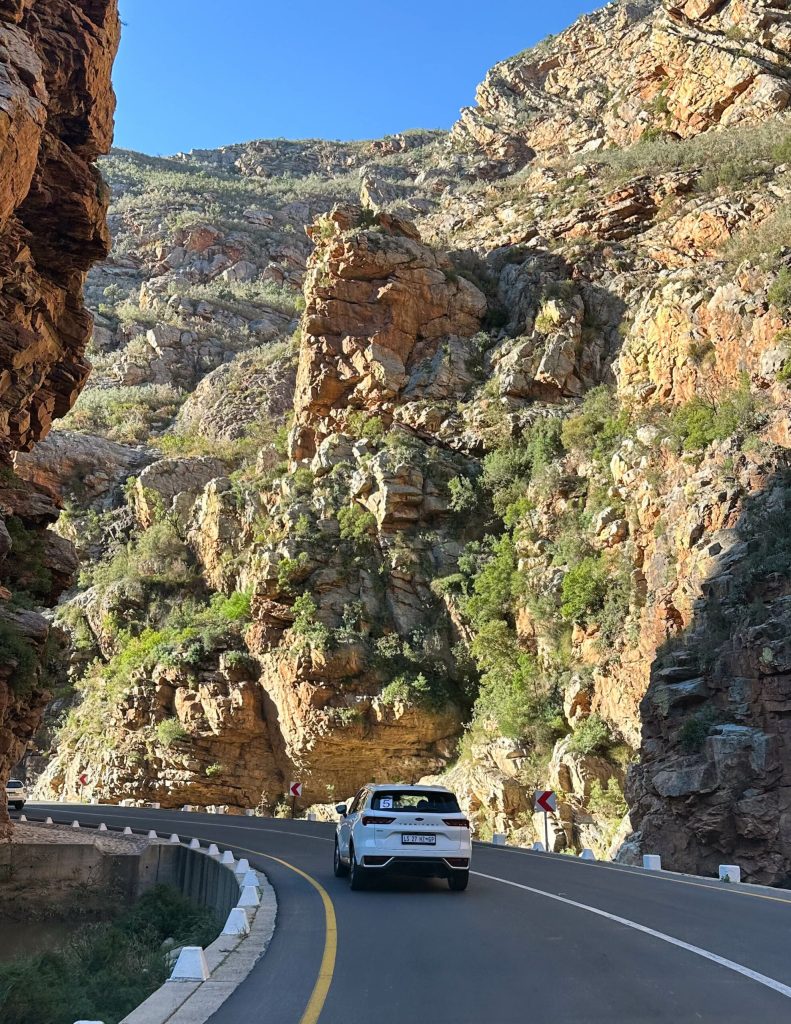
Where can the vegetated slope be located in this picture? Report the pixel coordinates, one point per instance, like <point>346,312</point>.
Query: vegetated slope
<point>526,525</point>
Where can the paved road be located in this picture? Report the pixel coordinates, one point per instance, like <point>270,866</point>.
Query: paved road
<point>536,938</point>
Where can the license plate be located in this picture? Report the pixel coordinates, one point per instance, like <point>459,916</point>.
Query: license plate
<point>417,839</point>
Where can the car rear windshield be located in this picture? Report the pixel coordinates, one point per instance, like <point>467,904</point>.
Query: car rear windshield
<point>408,800</point>
<point>13,784</point>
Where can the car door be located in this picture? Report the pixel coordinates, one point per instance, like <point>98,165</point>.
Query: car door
<point>345,825</point>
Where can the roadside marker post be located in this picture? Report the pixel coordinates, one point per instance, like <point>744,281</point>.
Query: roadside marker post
<point>295,790</point>
<point>546,801</point>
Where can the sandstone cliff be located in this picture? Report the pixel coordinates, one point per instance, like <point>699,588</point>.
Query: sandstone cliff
<point>57,116</point>
<point>524,525</point>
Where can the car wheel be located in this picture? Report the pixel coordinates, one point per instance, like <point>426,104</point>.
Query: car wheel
<point>459,881</point>
<point>341,870</point>
<point>18,806</point>
<point>357,873</point>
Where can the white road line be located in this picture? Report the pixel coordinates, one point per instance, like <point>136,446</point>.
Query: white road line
<point>762,979</point>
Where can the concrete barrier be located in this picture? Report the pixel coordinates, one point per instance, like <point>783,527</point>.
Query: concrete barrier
<point>152,834</point>
<point>249,812</point>
<point>191,965</point>
<point>250,878</point>
<point>242,867</point>
<point>227,857</point>
<point>48,821</point>
<point>730,873</point>
<point>587,855</point>
<point>194,844</point>
<point>174,838</point>
<point>652,862</point>
<point>127,831</point>
<point>75,824</point>
<point>22,817</point>
<point>238,923</point>
<point>498,838</point>
<point>249,897</point>
<point>102,827</point>
<point>213,851</point>
<point>537,848</point>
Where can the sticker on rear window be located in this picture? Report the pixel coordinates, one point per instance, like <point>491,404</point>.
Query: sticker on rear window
<point>386,803</point>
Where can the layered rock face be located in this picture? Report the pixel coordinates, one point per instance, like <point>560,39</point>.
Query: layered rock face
<point>56,118</point>
<point>632,68</point>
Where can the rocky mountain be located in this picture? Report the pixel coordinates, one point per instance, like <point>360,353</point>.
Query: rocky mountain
<point>454,455</point>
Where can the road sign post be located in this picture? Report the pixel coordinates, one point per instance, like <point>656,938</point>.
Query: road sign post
<point>83,781</point>
<point>295,790</point>
<point>546,801</point>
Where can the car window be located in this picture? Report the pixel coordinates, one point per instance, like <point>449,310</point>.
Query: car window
<point>429,801</point>
<point>13,784</point>
<point>356,802</point>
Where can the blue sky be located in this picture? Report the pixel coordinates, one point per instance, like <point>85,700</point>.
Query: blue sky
<point>196,74</point>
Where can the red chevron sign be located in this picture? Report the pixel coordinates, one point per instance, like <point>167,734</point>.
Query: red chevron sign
<point>295,789</point>
<point>546,801</point>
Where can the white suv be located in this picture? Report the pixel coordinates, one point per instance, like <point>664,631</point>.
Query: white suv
<point>15,793</point>
<point>414,830</point>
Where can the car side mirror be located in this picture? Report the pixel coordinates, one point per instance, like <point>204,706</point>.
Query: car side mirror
<point>341,809</point>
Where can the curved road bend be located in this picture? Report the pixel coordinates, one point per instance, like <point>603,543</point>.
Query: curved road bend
<point>536,938</point>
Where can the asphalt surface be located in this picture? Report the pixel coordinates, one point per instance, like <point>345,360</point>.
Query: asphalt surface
<point>534,938</point>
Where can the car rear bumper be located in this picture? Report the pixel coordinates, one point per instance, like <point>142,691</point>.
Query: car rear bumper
<point>422,867</point>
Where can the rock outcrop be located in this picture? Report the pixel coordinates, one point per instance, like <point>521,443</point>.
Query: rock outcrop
<point>632,68</point>
<point>56,117</point>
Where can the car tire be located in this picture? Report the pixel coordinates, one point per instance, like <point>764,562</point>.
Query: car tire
<point>18,806</point>
<point>358,876</point>
<point>340,869</point>
<point>458,881</point>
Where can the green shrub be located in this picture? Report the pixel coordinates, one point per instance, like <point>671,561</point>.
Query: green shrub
<point>170,731</point>
<point>306,626</point>
<point>213,770</point>
<point>363,425</point>
<point>105,970</point>
<point>584,589</point>
<point>599,426</point>
<point>414,690</point>
<point>607,803</point>
<point>356,523</point>
<point>591,736</point>
<point>125,414</point>
<point>697,424</point>
<point>780,292</point>
<point>235,608</point>
<point>17,652</point>
<point>464,495</point>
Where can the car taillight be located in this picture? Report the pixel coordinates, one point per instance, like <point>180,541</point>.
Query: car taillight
<point>368,819</point>
<point>459,822</point>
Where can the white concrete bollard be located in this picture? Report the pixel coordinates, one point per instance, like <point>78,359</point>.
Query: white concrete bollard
<point>652,862</point>
<point>537,847</point>
<point>251,878</point>
<point>237,923</point>
<point>174,838</point>
<point>242,867</point>
<point>249,812</point>
<point>152,834</point>
<point>75,824</point>
<point>48,821</point>
<point>194,844</point>
<point>587,854</point>
<point>249,897</point>
<point>22,817</point>
<point>730,873</point>
<point>102,827</point>
<point>127,831</point>
<point>94,799</point>
<point>311,816</point>
<point>498,839</point>
<point>227,857</point>
<point>191,965</point>
<point>213,851</point>
<point>155,806</point>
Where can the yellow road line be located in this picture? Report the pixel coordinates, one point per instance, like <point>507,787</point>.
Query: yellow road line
<point>327,966</point>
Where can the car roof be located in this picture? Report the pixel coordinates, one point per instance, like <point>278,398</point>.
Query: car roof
<point>17,781</point>
<point>374,786</point>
